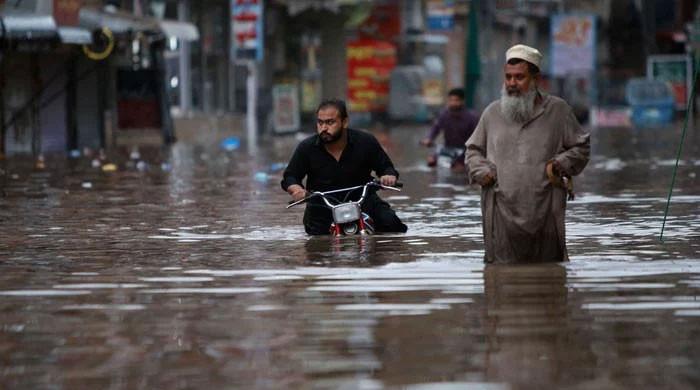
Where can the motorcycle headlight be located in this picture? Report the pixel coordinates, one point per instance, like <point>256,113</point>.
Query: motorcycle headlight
<point>345,213</point>
<point>350,228</point>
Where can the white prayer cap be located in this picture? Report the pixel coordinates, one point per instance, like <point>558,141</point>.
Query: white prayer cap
<point>526,53</point>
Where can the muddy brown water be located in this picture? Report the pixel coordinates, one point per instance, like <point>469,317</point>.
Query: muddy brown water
<point>192,274</point>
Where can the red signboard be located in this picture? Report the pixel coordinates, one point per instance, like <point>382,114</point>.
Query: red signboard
<point>383,23</point>
<point>66,12</point>
<point>370,63</point>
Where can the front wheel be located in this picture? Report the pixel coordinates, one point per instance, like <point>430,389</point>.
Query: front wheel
<point>350,228</point>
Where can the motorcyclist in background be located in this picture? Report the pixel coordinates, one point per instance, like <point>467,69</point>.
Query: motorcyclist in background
<point>457,123</point>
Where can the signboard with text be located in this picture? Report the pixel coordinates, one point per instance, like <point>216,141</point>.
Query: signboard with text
<point>246,30</point>
<point>285,108</point>
<point>440,15</point>
<point>66,12</point>
<point>370,63</point>
<point>573,44</point>
<point>676,70</point>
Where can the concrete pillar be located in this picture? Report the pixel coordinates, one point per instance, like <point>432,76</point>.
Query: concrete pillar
<point>412,15</point>
<point>332,53</point>
<point>2,105</point>
<point>183,14</point>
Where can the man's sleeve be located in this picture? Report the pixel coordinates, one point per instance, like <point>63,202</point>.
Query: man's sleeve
<point>382,163</point>
<point>435,130</point>
<point>577,146</point>
<point>479,165</point>
<point>296,169</point>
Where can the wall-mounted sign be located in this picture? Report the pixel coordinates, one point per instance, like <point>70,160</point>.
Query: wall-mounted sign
<point>440,15</point>
<point>66,12</point>
<point>573,44</point>
<point>370,63</point>
<point>676,70</point>
<point>285,105</point>
<point>247,29</point>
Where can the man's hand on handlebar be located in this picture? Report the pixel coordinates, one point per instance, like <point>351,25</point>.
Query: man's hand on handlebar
<point>297,192</point>
<point>388,180</point>
<point>426,142</point>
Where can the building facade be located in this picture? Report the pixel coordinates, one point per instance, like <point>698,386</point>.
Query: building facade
<point>101,73</point>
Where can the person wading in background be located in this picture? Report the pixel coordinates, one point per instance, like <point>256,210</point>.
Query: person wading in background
<point>456,123</point>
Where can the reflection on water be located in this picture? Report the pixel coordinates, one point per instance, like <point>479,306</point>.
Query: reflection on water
<point>198,277</point>
<point>532,337</point>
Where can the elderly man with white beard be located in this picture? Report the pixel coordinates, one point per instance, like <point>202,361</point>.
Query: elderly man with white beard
<point>523,153</point>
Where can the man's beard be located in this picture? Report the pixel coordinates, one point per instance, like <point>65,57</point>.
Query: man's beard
<point>518,108</point>
<point>328,138</point>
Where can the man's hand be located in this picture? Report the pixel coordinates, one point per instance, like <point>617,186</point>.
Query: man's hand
<point>426,142</point>
<point>487,180</point>
<point>556,168</point>
<point>388,180</point>
<point>297,192</point>
<point>555,173</point>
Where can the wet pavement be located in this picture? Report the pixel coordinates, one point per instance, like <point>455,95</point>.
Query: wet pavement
<point>186,271</point>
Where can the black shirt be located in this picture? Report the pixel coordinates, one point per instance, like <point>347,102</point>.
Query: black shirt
<point>361,156</point>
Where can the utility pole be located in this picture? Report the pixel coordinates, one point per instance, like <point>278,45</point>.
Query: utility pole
<point>251,107</point>
<point>247,47</point>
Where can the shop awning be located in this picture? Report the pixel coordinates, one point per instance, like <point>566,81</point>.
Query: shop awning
<point>29,27</point>
<point>298,6</point>
<point>295,7</point>
<point>180,30</point>
<point>75,35</point>
<point>121,22</point>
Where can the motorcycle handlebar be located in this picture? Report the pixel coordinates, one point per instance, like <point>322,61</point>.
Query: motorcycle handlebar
<point>376,182</point>
<point>296,202</point>
<point>398,184</point>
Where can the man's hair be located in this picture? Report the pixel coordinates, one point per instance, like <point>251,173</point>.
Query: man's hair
<point>532,68</point>
<point>338,104</point>
<point>459,92</point>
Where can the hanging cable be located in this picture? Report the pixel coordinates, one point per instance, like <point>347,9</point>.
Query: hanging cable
<point>688,112</point>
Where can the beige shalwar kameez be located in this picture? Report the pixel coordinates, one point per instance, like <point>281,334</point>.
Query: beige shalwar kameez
<point>523,213</point>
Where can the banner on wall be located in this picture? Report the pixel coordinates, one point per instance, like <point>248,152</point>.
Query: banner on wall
<point>674,69</point>
<point>66,12</point>
<point>573,44</point>
<point>383,23</point>
<point>285,108</point>
<point>440,15</point>
<point>246,30</point>
<point>370,63</point>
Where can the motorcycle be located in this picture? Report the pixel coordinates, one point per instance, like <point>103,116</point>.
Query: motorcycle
<point>348,217</point>
<point>450,157</point>
<point>445,156</point>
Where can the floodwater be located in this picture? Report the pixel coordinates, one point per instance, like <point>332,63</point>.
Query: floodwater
<point>192,274</point>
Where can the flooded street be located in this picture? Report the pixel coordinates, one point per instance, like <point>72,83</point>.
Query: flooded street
<point>189,273</point>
